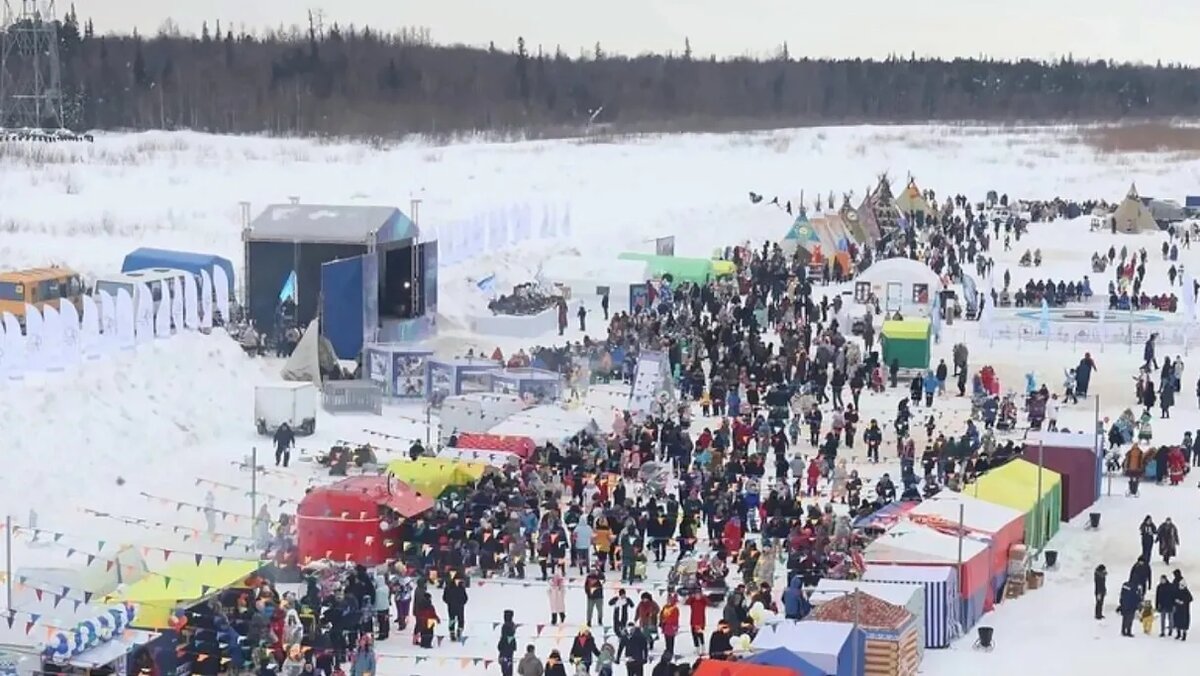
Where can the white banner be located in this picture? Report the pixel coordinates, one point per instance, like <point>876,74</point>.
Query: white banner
<point>221,291</point>
<point>72,339</point>
<point>14,346</point>
<point>191,303</point>
<point>126,336</point>
<point>162,315</point>
<point>206,300</point>
<point>34,358</point>
<point>176,302</point>
<point>108,322</point>
<point>143,312</point>
<point>52,338</point>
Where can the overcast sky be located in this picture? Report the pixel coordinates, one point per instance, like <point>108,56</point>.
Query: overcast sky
<point>1148,30</point>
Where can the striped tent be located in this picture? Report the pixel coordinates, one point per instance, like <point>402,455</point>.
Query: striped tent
<point>942,607</point>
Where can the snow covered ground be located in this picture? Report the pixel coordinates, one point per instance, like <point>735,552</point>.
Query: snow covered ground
<point>181,410</point>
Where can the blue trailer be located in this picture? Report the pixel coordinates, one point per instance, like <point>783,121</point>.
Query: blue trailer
<point>145,257</point>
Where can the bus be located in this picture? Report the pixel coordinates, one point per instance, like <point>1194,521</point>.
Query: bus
<point>38,287</point>
<point>158,280</point>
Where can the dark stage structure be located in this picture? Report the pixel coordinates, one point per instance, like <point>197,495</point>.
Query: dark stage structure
<point>361,269</point>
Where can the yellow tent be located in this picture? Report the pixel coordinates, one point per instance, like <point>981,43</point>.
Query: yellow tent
<point>722,268</point>
<point>159,594</point>
<point>432,476</point>
<point>1015,485</point>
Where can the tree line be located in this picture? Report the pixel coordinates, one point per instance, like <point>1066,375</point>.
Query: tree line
<point>357,81</point>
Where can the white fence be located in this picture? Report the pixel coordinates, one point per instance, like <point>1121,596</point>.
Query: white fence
<point>1116,334</point>
<point>501,228</point>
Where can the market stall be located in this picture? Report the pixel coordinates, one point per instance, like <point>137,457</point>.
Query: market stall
<point>892,642</point>
<point>181,586</point>
<point>835,647</point>
<point>939,586</point>
<point>1015,485</point>
<point>1001,527</point>
<point>910,596</point>
<point>348,520</point>
<point>1078,459</point>
<point>907,342</point>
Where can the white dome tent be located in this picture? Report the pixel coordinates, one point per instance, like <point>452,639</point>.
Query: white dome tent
<point>901,284</point>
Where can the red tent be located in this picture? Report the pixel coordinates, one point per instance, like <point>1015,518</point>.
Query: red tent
<point>343,521</point>
<point>731,668</point>
<point>520,446</point>
<point>1075,457</point>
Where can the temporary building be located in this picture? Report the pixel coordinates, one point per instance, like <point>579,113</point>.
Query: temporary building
<point>1001,527</point>
<point>145,258</point>
<point>1015,484</point>
<point>836,647</point>
<point>1079,461</point>
<point>1133,216</point>
<point>907,341</point>
<point>903,285</point>
<point>476,412</point>
<point>854,224</point>
<point>910,596</point>
<point>345,521</point>
<point>885,517</point>
<point>801,235</point>
<point>589,276</point>
<point>782,659</point>
<point>431,477</point>
<point>916,545</point>
<point>912,202</point>
<point>545,424</point>
<point>939,585</point>
<point>891,645</point>
<point>183,584</point>
<point>749,667</point>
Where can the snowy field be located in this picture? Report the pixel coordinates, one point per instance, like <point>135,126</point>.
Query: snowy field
<point>155,421</point>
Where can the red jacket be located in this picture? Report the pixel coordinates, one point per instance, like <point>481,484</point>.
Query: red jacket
<point>732,536</point>
<point>668,619</point>
<point>699,607</point>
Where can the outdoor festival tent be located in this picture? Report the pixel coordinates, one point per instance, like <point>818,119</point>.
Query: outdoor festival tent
<point>748,668</point>
<point>545,424</point>
<point>1015,484</point>
<point>911,596</point>
<point>836,647</point>
<point>341,521</point>
<point>891,645</point>
<point>1133,216</point>
<point>939,586</point>
<point>907,341</point>
<point>1002,526</point>
<point>432,476</point>
<point>681,269</point>
<point>910,544</point>
<point>1078,459</point>
<point>182,584</point>
<point>911,202</point>
<point>782,658</point>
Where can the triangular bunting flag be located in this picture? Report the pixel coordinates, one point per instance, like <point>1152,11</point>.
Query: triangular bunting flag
<point>199,557</point>
<point>29,627</point>
<point>87,597</point>
<point>38,594</point>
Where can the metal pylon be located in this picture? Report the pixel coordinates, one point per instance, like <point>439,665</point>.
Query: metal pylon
<point>30,71</point>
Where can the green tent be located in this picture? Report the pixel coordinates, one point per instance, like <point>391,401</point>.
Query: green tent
<point>907,340</point>
<point>1015,485</point>
<point>698,270</point>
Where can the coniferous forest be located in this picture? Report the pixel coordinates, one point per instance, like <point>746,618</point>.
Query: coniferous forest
<point>346,80</point>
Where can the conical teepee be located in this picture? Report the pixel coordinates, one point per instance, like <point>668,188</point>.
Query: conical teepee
<point>911,201</point>
<point>1133,216</point>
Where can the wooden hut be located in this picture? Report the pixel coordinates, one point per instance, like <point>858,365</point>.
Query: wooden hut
<point>892,636</point>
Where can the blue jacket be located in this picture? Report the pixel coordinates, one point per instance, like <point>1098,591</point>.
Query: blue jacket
<point>795,604</point>
<point>931,382</point>
<point>582,536</point>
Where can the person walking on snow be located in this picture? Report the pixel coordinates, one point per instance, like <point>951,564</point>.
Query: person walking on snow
<point>1100,589</point>
<point>285,440</point>
<point>582,314</point>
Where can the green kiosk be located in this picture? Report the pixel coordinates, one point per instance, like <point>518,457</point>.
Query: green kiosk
<point>908,341</point>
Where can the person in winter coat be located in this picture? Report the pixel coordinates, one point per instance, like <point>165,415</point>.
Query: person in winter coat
<point>557,592</point>
<point>697,605</point>
<point>383,606</point>
<point>425,620</point>
<point>581,545</point>
<point>720,644</point>
<point>530,665</point>
<point>1168,540</point>
<point>593,591</point>
<point>668,623</point>
<point>364,658</point>
<point>1129,604</point>
<point>795,603</point>
<point>1148,532</point>
<point>1164,603</point>
<point>1100,589</point>
<point>1141,576</point>
<point>931,387</point>
<point>605,660</point>
<point>506,647</point>
<point>554,664</point>
<point>621,604</point>
<point>1083,375</point>
<point>455,598</point>
<point>1182,619</point>
<point>646,616</point>
<point>637,651</point>
<point>584,649</point>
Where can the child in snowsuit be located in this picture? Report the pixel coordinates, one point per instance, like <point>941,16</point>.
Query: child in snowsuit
<point>1146,615</point>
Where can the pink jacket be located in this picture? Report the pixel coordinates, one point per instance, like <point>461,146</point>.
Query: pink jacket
<point>558,595</point>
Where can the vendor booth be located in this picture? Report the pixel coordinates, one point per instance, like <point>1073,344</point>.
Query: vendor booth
<point>775,660</point>
<point>891,645</point>
<point>910,596</point>
<point>545,424</point>
<point>1015,485</point>
<point>939,586</point>
<point>399,368</point>
<point>349,520</point>
<point>1079,461</point>
<point>180,586</point>
<point>749,667</point>
<point>532,385</point>
<point>475,412</point>
<point>458,375</point>
<point>838,648</point>
<point>915,545</point>
<point>695,270</point>
<point>999,526</point>
<point>907,342</point>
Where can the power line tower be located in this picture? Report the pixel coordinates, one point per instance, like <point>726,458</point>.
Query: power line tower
<point>30,72</point>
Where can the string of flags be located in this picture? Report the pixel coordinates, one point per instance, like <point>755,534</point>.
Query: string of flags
<point>58,593</point>
<point>187,532</point>
<point>32,621</point>
<point>167,552</point>
<point>230,487</point>
<point>263,470</point>
<point>199,509</point>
